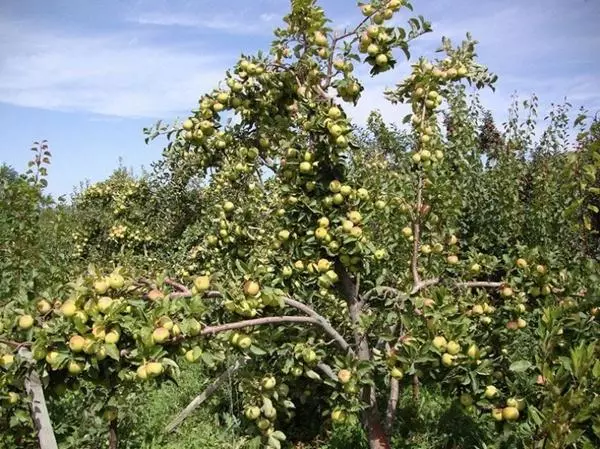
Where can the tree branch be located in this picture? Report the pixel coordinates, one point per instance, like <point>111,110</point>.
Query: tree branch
<point>202,397</point>
<point>392,405</point>
<point>258,322</point>
<point>417,234</point>
<point>183,292</point>
<point>327,370</point>
<point>482,284</point>
<point>327,327</point>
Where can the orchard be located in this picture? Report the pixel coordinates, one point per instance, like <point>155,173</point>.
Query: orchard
<point>434,285</point>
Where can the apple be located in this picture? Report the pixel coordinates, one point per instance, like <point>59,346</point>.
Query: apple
<point>334,112</point>
<point>43,306</point>
<point>497,414</point>
<point>466,400</point>
<point>379,204</point>
<point>367,10</point>
<point>541,269</point>
<point>6,360</point>
<point>101,286</point>
<point>381,59</point>
<point>490,392</point>
<point>426,249</point>
<point>251,288</point>
<point>252,413</point>
<point>510,413</point>
<point>397,373</point>
<point>447,359</point>
<point>323,222</point>
<point>116,281</point>
<point>25,322</point>
<point>309,356</point>
<point>521,323</point>
<point>440,343</point>
<point>320,39</point>
<point>228,206</point>
<point>321,233</point>
<point>160,335</point>
<point>74,368</point>
<point>323,265</point>
<point>452,240</point>
<point>344,376</point>
<point>354,216</point>
<point>507,292</point>
<point>244,342</point>
<point>362,193</point>
<point>142,372</point>
<point>346,191</point>
<point>380,254</point>
<point>263,424</point>
<point>477,309</point>
<point>475,268</point>
<point>305,167</point>
<point>13,398</point>
<point>104,303</point>
<point>52,358</point>
<point>332,276</point>
<point>338,415</point>
<point>452,259</point>
<point>453,347</point>
<point>268,382</point>
<point>154,368</point>
<point>202,283</point>
<point>190,357</point>
<point>76,343</point>
<point>407,231</point>
<point>521,263</point>
<point>373,49</point>
<point>112,337</point>
<point>473,352</point>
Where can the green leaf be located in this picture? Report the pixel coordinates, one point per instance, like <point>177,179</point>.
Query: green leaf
<point>112,351</point>
<point>520,366</point>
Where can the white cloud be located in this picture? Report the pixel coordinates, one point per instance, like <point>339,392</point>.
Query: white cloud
<point>112,74</point>
<point>226,23</point>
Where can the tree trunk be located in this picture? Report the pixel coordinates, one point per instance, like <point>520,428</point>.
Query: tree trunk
<point>113,441</point>
<point>378,439</point>
<point>39,410</point>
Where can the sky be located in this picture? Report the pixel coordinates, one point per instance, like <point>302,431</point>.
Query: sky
<point>88,76</point>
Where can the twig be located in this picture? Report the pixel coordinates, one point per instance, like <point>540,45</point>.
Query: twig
<point>183,292</point>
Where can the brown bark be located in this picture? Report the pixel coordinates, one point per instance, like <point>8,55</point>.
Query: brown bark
<point>113,442</point>
<point>378,438</point>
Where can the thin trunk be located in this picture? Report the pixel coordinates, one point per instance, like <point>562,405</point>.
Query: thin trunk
<point>113,441</point>
<point>371,418</point>
<point>39,410</point>
<point>416,387</point>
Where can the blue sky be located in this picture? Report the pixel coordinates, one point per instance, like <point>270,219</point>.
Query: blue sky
<point>89,75</point>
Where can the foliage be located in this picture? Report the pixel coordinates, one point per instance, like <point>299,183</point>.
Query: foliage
<point>387,287</point>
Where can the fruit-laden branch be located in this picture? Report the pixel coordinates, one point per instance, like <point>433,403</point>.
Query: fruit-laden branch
<point>202,397</point>
<point>327,327</point>
<point>39,410</point>
<point>258,322</point>
<point>315,318</point>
